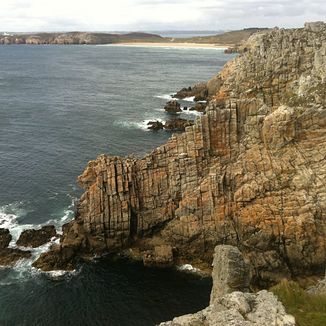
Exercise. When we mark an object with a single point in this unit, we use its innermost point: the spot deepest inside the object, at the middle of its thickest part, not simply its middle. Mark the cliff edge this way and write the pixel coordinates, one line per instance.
(250, 172)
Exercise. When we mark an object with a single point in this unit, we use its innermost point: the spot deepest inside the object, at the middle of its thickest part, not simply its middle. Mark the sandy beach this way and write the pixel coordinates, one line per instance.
(168, 44)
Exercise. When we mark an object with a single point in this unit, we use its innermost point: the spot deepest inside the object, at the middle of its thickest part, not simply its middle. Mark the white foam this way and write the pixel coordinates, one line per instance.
(23, 268)
(188, 268)
(138, 125)
(189, 99)
(191, 112)
(167, 97)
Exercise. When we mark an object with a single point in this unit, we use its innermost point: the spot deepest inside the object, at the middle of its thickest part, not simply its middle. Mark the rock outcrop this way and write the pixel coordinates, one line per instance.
(9, 256)
(231, 307)
(35, 238)
(172, 107)
(155, 125)
(198, 91)
(5, 238)
(250, 172)
(230, 272)
(178, 124)
(239, 309)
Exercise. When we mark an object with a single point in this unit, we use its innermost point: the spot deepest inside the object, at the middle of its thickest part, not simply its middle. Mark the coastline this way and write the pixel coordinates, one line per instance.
(168, 44)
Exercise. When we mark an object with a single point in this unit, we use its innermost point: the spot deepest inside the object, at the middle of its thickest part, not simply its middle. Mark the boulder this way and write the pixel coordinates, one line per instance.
(161, 256)
(5, 238)
(155, 125)
(35, 238)
(172, 107)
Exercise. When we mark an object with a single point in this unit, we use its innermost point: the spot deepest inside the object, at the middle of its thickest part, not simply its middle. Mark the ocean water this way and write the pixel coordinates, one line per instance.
(61, 106)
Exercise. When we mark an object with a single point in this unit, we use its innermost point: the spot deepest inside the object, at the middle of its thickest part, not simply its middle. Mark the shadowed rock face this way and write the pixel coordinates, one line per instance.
(250, 172)
(5, 238)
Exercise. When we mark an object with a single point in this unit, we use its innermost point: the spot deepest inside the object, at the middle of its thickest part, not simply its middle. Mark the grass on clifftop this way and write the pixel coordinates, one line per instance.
(308, 309)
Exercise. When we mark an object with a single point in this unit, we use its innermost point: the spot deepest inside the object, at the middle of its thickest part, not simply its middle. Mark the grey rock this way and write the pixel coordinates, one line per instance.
(235, 308)
(319, 288)
(230, 272)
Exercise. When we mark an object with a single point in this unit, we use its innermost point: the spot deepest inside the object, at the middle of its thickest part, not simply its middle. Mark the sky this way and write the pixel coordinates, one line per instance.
(155, 15)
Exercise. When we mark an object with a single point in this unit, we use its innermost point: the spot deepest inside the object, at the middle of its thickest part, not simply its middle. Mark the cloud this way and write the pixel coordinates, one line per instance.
(106, 15)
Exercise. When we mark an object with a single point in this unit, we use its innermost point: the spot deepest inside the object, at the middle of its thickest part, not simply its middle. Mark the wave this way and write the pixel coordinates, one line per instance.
(23, 269)
(167, 97)
(137, 125)
(189, 99)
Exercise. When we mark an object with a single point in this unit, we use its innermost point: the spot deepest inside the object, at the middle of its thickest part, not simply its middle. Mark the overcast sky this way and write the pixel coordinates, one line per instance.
(149, 15)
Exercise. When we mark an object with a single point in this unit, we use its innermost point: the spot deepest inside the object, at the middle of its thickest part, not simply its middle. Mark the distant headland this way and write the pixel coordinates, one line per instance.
(227, 39)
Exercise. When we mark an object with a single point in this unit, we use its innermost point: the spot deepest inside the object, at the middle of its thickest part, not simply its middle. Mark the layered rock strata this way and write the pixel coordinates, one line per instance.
(250, 172)
(229, 306)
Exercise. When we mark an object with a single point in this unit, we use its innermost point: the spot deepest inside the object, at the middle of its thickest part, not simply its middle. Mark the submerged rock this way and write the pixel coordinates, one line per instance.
(173, 107)
(35, 238)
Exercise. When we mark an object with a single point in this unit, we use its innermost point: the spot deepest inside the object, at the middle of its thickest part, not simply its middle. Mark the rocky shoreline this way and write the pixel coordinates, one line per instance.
(249, 172)
(77, 38)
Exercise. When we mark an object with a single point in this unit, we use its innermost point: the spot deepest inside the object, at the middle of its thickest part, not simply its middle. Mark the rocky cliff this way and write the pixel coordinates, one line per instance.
(250, 172)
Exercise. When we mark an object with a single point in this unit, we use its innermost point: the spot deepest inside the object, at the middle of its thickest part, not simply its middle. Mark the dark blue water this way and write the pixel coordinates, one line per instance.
(61, 106)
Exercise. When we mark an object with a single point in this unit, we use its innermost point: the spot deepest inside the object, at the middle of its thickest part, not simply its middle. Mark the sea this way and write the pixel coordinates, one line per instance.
(60, 107)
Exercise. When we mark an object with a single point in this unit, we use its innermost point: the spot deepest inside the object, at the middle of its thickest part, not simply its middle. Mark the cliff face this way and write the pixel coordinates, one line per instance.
(250, 172)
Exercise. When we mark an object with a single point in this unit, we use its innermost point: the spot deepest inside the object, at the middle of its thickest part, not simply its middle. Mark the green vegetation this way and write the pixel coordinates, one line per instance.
(308, 309)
